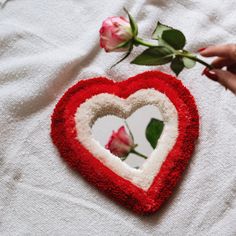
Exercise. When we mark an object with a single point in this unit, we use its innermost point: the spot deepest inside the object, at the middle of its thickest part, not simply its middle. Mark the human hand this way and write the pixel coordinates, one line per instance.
(226, 57)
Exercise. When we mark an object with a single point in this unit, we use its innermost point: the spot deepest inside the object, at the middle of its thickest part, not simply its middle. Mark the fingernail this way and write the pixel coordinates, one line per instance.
(201, 49)
(205, 71)
(210, 74)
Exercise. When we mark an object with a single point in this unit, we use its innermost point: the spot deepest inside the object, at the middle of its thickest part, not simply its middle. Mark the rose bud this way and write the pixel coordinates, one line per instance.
(115, 34)
(120, 143)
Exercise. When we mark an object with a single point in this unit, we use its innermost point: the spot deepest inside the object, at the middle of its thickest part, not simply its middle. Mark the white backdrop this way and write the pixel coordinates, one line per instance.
(46, 47)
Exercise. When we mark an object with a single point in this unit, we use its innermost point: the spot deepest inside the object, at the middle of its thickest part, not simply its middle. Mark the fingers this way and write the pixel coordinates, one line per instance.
(210, 74)
(220, 62)
(226, 78)
(232, 68)
(227, 51)
(226, 58)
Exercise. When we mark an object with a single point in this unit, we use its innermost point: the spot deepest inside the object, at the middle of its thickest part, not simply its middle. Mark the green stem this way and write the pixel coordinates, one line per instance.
(196, 59)
(138, 153)
(141, 42)
(203, 63)
(131, 134)
(147, 44)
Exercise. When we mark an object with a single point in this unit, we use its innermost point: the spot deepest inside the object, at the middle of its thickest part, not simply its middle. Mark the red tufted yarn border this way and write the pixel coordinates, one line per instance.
(63, 133)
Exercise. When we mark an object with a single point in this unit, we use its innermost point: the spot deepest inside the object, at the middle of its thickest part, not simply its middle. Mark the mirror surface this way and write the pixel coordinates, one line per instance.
(137, 122)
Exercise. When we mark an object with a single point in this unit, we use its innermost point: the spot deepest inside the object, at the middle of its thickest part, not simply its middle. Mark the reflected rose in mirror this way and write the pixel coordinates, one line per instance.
(120, 143)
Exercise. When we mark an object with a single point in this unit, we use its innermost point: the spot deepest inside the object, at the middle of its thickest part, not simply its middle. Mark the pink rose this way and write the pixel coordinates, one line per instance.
(120, 143)
(115, 31)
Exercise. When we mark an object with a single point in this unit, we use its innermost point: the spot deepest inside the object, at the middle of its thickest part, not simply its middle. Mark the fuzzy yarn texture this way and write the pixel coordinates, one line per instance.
(64, 136)
(104, 104)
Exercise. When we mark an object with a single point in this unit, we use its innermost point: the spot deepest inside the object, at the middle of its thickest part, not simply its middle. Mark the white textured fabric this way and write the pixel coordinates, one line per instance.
(47, 46)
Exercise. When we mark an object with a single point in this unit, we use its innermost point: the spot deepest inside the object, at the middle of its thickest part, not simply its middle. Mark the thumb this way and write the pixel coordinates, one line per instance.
(226, 78)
